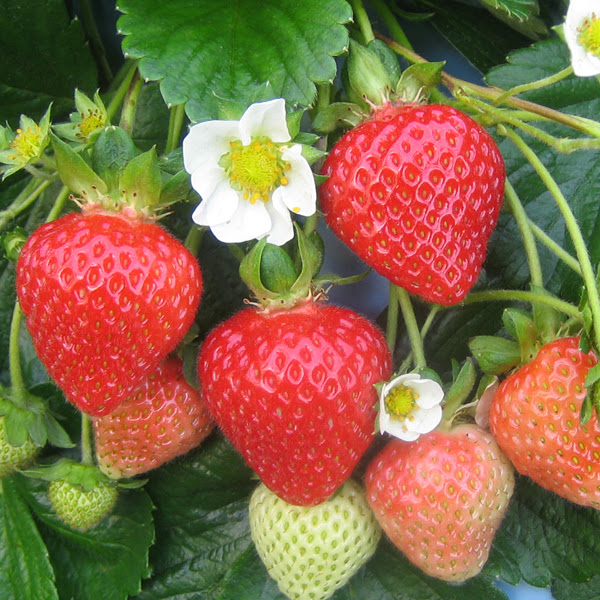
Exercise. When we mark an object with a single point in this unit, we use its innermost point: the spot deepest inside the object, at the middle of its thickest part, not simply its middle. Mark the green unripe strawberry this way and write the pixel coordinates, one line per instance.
(311, 551)
(78, 508)
(14, 457)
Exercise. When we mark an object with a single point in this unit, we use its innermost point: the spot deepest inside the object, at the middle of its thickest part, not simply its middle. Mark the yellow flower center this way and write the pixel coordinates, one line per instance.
(27, 144)
(401, 401)
(91, 122)
(589, 35)
(257, 169)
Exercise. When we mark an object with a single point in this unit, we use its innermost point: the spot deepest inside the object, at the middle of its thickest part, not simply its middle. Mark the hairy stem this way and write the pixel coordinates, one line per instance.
(19, 391)
(412, 327)
(176, 120)
(131, 101)
(87, 451)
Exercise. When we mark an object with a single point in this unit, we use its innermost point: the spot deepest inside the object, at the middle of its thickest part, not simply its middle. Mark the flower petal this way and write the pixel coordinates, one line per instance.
(282, 229)
(207, 142)
(398, 429)
(300, 194)
(584, 63)
(218, 207)
(207, 177)
(249, 222)
(430, 392)
(265, 119)
(424, 421)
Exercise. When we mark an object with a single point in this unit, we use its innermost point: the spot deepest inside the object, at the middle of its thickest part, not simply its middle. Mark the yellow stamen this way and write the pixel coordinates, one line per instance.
(589, 34)
(401, 401)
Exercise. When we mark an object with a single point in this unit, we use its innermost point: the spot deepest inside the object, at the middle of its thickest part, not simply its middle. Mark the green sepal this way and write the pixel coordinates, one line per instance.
(141, 182)
(306, 138)
(495, 355)
(312, 154)
(293, 120)
(388, 58)
(277, 271)
(461, 387)
(521, 326)
(331, 278)
(76, 174)
(111, 153)
(547, 320)
(366, 75)
(176, 189)
(590, 402)
(418, 80)
(12, 242)
(338, 115)
(87, 477)
(428, 373)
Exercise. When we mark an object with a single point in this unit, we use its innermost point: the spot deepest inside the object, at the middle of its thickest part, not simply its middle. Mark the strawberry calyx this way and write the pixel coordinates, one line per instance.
(113, 175)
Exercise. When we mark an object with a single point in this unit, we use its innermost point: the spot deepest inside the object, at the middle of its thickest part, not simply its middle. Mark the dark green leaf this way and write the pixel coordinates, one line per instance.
(44, 58)
(236, 47)
(590, 590)
(107, 562)
(517, 9)
(544, 537)
(25, 571)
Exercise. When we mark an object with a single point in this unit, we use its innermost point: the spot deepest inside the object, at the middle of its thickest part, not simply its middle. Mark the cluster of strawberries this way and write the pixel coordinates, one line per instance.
(415, 191)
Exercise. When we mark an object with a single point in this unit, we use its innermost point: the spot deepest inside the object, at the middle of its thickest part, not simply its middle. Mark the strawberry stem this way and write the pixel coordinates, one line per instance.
(123, 79)
(19, 391)
(87, 454)
(59, 204)
(412, 327)
(25, 199)
(523, 296)
(391, 332)
(176, 119)
(555, 248)
(130, 102)
(362, 19)
(581, 251)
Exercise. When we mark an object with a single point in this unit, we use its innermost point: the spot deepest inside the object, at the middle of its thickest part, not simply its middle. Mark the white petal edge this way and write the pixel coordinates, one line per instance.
(250, 221)
(282, 228)
(584, 63)
(429, 392)
(207, 178)
(300, 194)
(265, 119)
(397, 429)
(206, 142)
(424, 420)
(217, 208)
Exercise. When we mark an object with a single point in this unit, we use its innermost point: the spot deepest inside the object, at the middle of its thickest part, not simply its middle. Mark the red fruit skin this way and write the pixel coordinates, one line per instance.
(164, 419)
(293, 390)
(442, 498)
(416, 192)
(106, 298)
(535, 419)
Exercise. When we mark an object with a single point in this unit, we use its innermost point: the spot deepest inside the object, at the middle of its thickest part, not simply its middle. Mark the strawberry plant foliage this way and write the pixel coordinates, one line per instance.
(223, 62)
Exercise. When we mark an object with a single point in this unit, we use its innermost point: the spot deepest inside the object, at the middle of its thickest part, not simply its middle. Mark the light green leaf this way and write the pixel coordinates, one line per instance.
(516, 9)
(108, 561)
(201, 49)
(25, 571)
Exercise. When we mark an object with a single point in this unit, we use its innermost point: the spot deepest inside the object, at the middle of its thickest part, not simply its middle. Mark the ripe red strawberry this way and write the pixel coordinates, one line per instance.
(416, 191)
(535, 418)
(293, 389)
(164, 419)
(442, 498)
(107, 296)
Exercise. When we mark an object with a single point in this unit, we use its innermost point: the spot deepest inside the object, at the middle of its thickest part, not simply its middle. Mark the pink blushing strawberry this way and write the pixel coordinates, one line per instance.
(166, 418)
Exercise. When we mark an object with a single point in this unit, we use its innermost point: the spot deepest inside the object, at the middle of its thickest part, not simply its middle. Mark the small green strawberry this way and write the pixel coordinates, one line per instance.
(14, 457)
(78, 508)
(80, 494)
(311, 551)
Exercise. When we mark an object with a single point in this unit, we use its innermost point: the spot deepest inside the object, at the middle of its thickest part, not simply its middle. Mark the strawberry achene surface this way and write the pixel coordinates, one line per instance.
(535, 416)
(442, 498)
(416, 192)
(165, 418)
(106, 298)
(293, 390)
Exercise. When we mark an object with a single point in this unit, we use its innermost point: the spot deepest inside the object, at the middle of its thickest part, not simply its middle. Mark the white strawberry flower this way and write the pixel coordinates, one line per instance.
(249, 176)
(409, 406)
(582, 34)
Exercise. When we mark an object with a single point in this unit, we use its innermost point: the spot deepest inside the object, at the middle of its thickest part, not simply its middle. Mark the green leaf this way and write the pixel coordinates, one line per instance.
(544, 537)
(564, 590)
(25, 570)
(236, 47)
(44, 58)
(577, 174)
(517, 9)
(109, 560)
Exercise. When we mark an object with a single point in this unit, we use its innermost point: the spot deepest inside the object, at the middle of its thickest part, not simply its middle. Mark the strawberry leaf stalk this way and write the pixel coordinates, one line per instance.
(290, 380)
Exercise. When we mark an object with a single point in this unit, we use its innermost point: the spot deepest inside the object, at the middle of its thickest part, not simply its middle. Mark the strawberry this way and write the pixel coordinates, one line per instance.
(293, 389)
(416, 191)
(164, 419)
(79, 508)
(441, 498)
(535, 417)
(311, 551)
(106, 296)
(14, 457)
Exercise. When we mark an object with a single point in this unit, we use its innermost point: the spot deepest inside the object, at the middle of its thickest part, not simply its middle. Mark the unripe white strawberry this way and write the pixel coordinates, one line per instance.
(311, 551)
